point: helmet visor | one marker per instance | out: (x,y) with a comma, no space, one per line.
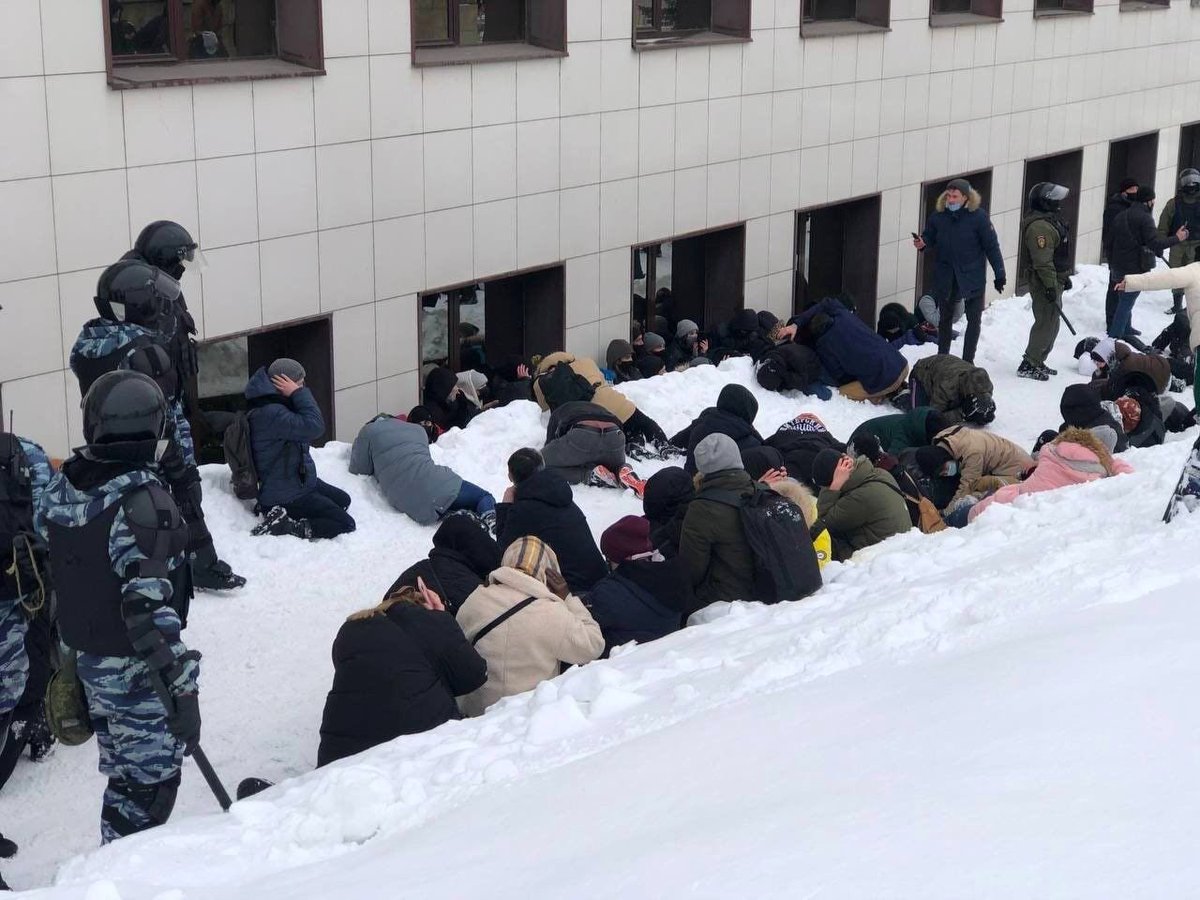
(165,287)
(193,259)
(1056,192)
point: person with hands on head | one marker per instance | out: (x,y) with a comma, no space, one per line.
(859,504)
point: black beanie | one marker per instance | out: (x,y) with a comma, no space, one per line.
(867,444)
(1144,194)
(770,375)
(1126,184)
(931,459)
(823,467)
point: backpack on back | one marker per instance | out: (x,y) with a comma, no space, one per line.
(243,476)
(16,493)
(785,563)
(562,384)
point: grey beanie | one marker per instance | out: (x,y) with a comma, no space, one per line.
(653,342)
(716,453)
(685,327)
(287,367)
(959,184)
(700,361)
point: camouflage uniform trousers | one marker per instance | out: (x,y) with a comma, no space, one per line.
(135,743)
(14,663)
(183,433)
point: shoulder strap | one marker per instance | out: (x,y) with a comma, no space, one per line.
(728,498)
(500,620)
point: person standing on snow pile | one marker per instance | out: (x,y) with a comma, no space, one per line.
(962,234)
(1045,244)
(526,623)
(859,504)
(136,331)
(1185,280)
(1182,211)
(284,421)
(117,550)
(1133,248)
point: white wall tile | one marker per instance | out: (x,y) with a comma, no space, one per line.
(26,140)
(283,114)
(616,21)
(398,176)
(724,70)
(758,63)
(399,257)
(287,201)
(691,134)
(354,347)
(396,336)
(353,407)
(814,169)
(691,199)
(584,20)
(83,239)
(579,150)
(158,126)
(537,230)
(30,332)
(38,408)
(781,242)
(867,98)
(164,192)
(785,121)
(291,287)
(231,290)
(494,162)
(343,184)
(656,139)
(344,24)
(814,116)
(228,192)
(223,119)
(784,191)
(579,213)
(494,93)
(341,115)
(398,394)
(449,247)
(582,290)
(85,124)
(656,79)
(841,109)
(757,240)
(864,173)
(723,193)
(616,274)
(724,129)
(579,80)
(584,340)
(618,144)
(20,40)
(618,76)
(396,99)
(347,258)
(841,161)
(755,123)
(755,186)
(656,206)
(495,230)
(389,27)
(537,156)
(71,36)
(447,97)
(537,89)
(447,169)
(691,74)
(618,214)
(76,291)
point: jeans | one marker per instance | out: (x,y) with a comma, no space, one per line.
(325,509)
(974,310)
(1123,315)
(473,497)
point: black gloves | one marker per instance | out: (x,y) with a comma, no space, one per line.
(1067,284)
(999,284)
(184,722)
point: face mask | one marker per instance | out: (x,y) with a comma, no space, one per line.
(954,207)
(949,470)
(691,339)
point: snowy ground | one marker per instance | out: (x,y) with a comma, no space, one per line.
(996,712)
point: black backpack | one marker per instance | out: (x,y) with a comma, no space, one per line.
(785,563)
(561,384)
(16,494)
(243,477)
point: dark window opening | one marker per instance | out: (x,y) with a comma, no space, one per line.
(930,191)
(1134,5)
(1189,148)
(964,12)
(1065,169)
(822,17)
(490,323)
(227,364)
(1061,7)
(694,21)
(701,277)
(449,31)
(1135,157)
(837,252)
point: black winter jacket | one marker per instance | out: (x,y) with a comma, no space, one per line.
(446,413)
(1130,233)
(733,416)
(1116,205)
(665,502)
(800,448)
(462,556)
(395,673)
(641,601)
(543,507)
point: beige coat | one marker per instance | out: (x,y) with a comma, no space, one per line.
(527,648)
(612,400)
(985,460)
(1186,279)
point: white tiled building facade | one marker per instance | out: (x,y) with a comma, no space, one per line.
(350,193)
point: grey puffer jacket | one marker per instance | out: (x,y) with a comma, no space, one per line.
(397,454)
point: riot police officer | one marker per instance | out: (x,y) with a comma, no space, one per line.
(118,555)
(1182,211)
(138,305)
(1045,246)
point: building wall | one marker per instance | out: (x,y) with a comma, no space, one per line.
(351,193)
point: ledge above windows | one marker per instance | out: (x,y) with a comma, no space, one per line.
(662,24)
(461,32)
(824,18)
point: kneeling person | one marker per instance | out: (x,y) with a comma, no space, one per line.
(859,504)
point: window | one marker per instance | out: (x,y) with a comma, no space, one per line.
(1065,169)
(701,277)
(981,181)
(837,252)
(455,31)
(1061,7)
(153,42)
(964,12)
(671,22)
(825,17)
(1134,5)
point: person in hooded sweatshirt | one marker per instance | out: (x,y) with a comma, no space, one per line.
(665,501)
(859,504)
(644,596)
(526,623)
(397,454)
(792,367)
(284,421)
(462,556)
(397,668)
(445,400)
(619,358)
(1081,407)
(686,346)
(539,503)
(733,416)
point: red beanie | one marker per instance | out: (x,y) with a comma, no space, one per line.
(626,537)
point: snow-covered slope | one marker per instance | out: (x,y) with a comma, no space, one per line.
(999,711)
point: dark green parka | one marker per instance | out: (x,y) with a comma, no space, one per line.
(712,544)
(868,509)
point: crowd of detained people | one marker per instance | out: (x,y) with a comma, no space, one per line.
(516,589)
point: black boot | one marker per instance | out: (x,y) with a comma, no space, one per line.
(216,577)
(1176,303)
(248,787)
(8,849)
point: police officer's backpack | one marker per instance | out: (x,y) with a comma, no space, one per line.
(562,384)
(243,477)
(16,496)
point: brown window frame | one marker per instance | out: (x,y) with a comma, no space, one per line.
(869,16)
(728,22)
(299,52)
(545,36)
(1063,8)
(977,12)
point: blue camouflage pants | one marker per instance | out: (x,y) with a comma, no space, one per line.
(183,433)
(14,664)
(138,753)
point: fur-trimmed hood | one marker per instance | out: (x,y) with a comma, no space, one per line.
(974,201)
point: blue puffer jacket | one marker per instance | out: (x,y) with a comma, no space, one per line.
(964,240)
(281,430)
(849,350)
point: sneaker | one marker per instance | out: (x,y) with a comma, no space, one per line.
(602,476)
(270,519)
(489,521)
(217,577)
(667,450)
(629,478)
(1027,370)
(1133,332)
(288,526)
(1049,371)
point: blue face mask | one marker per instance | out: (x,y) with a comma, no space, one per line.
(954,207)
(949,469)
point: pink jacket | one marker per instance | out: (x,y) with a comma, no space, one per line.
(1058,465)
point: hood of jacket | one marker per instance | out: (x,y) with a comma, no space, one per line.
(974,201)
(665,581)
(617,350)
(799,496)
(667,491)
(439,383)
(736,480)
(545,487)
(463,536)
(738,401)
(260,386)
(522,584)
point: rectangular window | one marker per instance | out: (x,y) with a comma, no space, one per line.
(829,17)
(981,181)
(1065,169)
(1135,5)
(964,12)
(1062,7)
(157,42)
(456,31)
(837,254)
(671,22)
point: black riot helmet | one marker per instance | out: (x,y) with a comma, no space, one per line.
(1047,196)
(125,408)
(1189,182)
(168,246)
(134,291)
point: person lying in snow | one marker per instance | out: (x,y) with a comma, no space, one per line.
(800,440)
(526,623)
(397,668)
(983,461)
(792,367)
(585,445)
(959,390)
(859,504)
(732,416)
(897,432)
(463,555)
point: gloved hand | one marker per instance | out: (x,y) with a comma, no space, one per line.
(999,284)
(184,723)
(1067,284)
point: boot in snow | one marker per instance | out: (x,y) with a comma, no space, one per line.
(277,523)
(489,521)
(248,787)
(629,478)
(217,577)
(602,476)
(1049,371)
(1028,370)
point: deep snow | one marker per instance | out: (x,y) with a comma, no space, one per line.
(965,714)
